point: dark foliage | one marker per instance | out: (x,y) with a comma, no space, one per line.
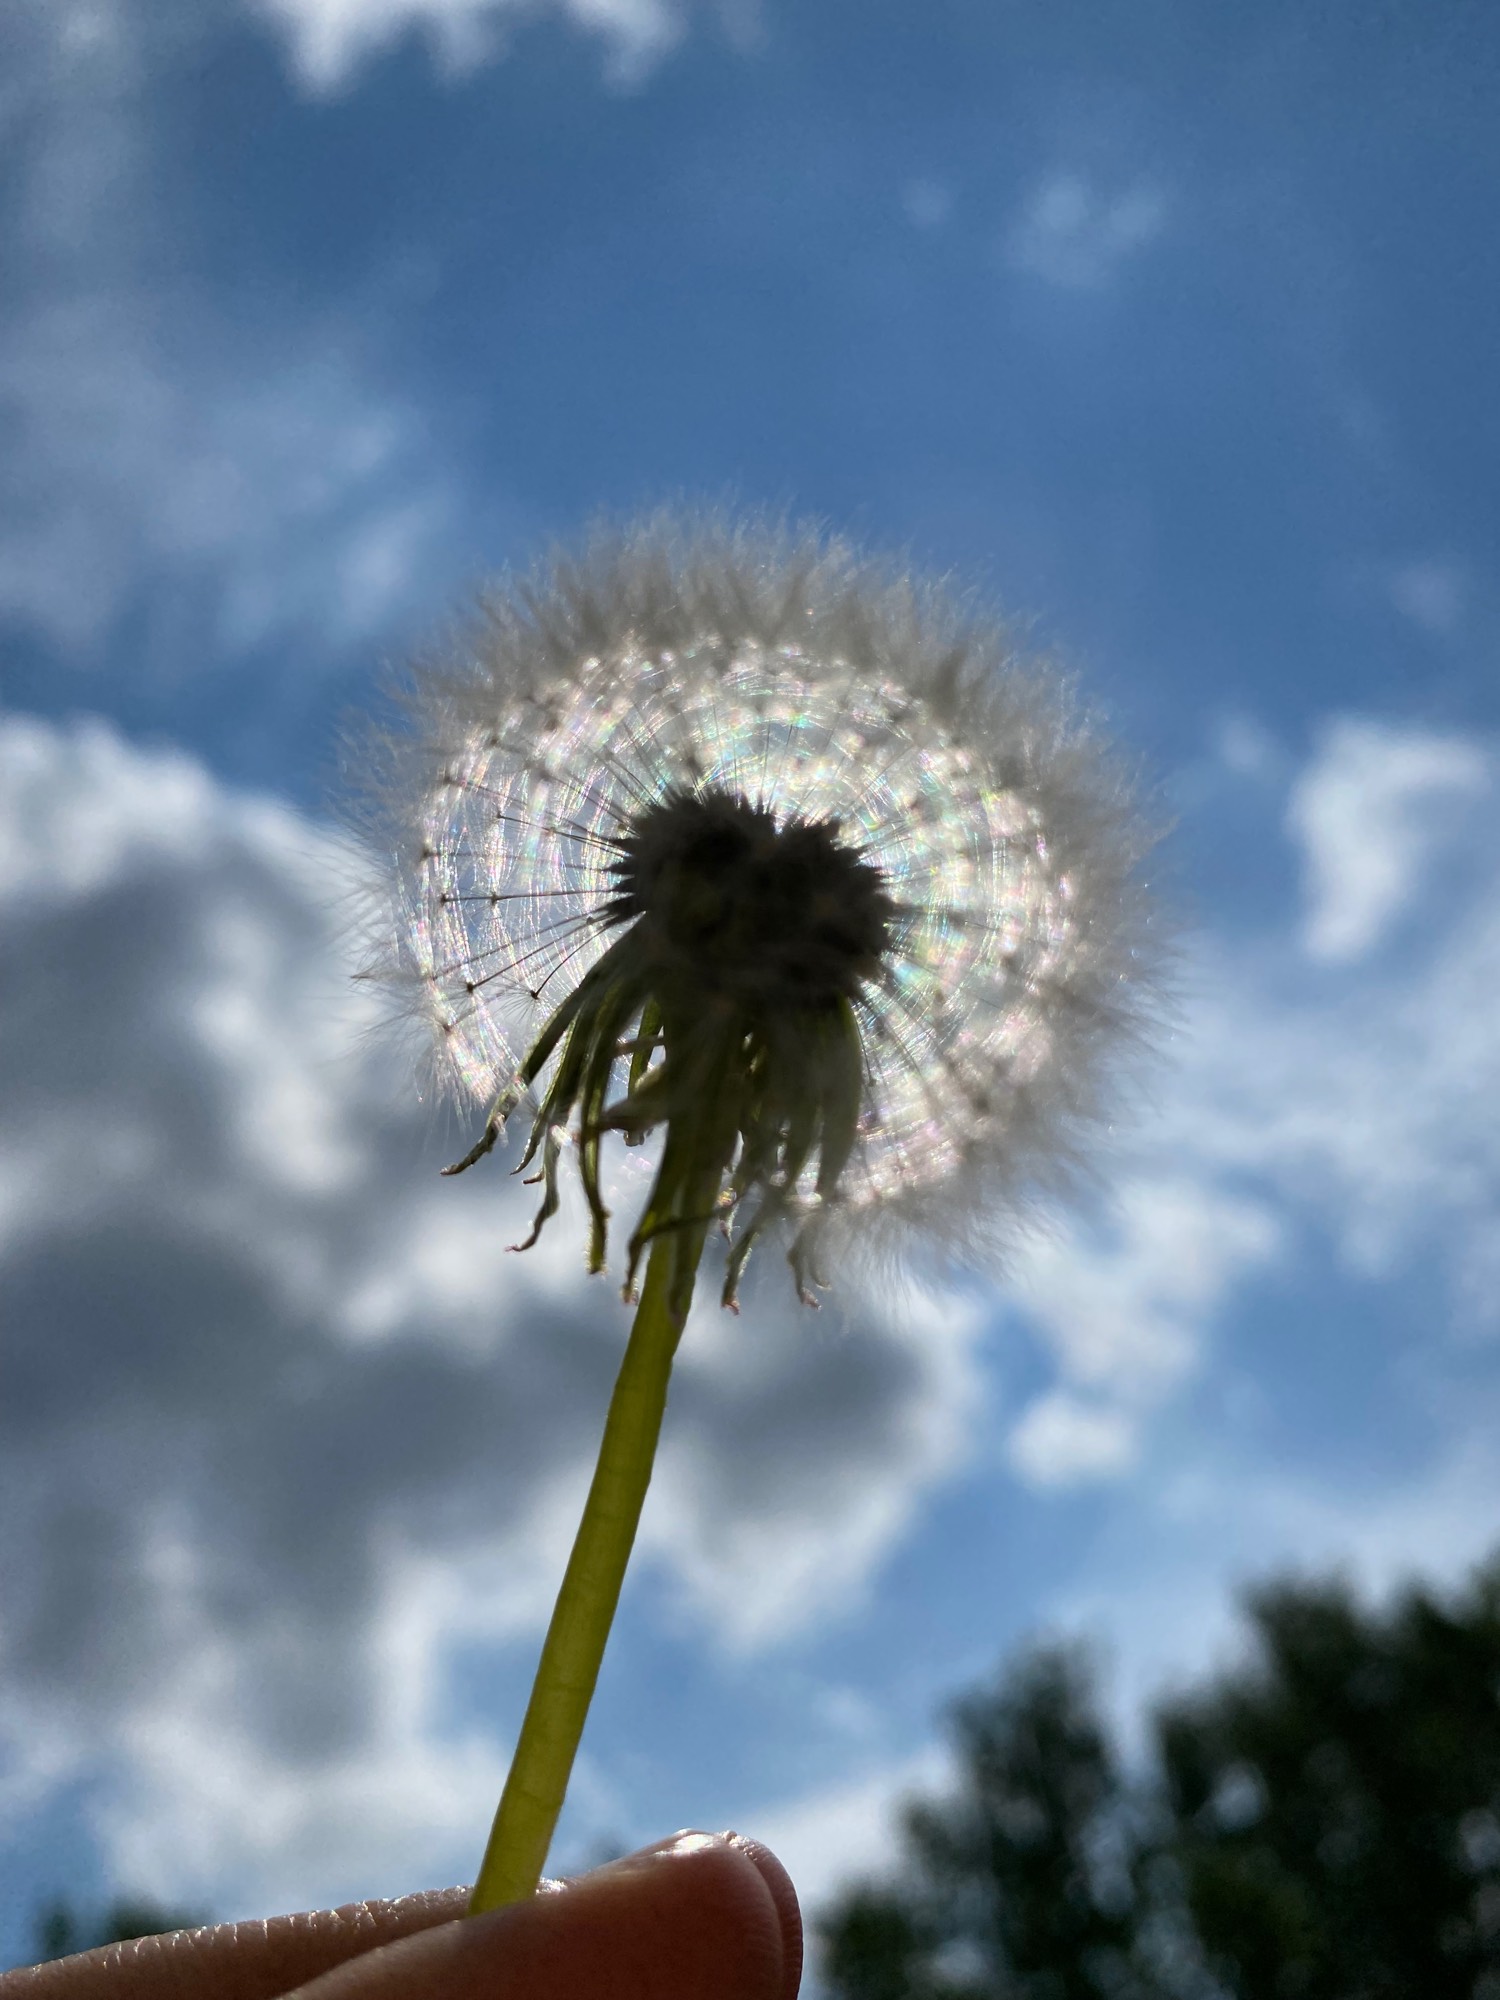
(60,1930)
(1325,1825)
(1025,1883)
(1336,1806)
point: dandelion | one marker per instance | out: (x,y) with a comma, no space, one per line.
(725,834)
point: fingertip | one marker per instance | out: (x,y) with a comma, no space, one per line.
(729,1898)
(699,1917)
(783,1896)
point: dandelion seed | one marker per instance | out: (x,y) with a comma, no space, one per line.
(727,833)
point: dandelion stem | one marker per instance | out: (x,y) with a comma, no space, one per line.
(569,1666)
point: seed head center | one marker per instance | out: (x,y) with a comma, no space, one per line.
(731,901)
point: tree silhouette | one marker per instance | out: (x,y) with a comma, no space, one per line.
(1025,1883)
(60,1931)
(1335,1805)
(1323,1824)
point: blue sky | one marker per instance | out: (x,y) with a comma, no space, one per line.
(1173,329)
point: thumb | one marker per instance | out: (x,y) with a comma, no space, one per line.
(700,1917)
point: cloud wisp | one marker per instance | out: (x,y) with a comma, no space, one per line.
(1072,233)
(226,486)
(1371,816)
(330,41)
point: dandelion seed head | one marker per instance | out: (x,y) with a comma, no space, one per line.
(799,779)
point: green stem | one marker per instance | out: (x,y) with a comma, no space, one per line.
(533,1795)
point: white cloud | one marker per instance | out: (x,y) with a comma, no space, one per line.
(1362,1103)
(1064,1441)
(229,486)
(1124,1307)
(266,498)
(1076,234)
(330,39)
(204,1801)
(285,1426)
(1367,815)
(1360,1106)
(1120,1313)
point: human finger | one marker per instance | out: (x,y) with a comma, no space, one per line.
(251,1961)
(701,1917)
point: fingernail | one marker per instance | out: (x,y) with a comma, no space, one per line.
(690,1840)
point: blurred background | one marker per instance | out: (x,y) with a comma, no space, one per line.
(1173,328)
